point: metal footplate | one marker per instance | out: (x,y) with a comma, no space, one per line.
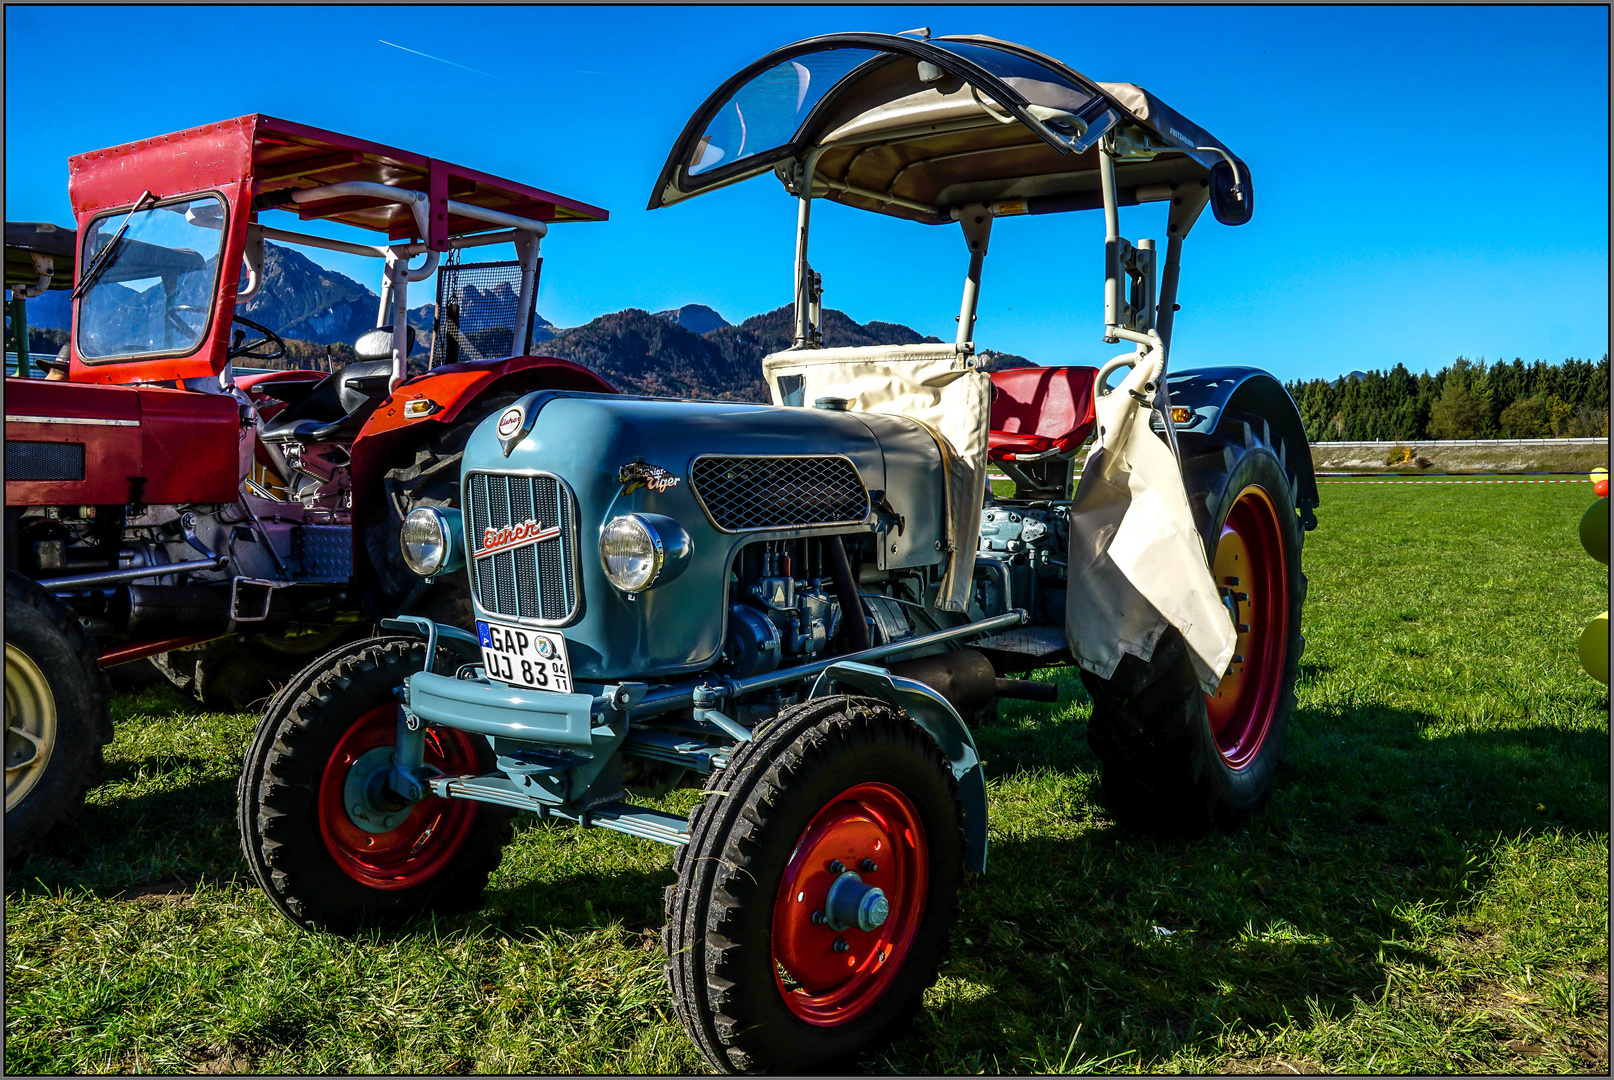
(623,817)
(1034,641)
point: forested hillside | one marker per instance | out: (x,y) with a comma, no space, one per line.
(1467,400)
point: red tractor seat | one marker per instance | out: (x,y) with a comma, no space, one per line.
(1040,410)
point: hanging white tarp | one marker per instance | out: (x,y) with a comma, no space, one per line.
(1137,563)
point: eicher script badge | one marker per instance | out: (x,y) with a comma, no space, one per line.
(639,474)
(510,537)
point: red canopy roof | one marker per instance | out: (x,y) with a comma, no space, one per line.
(278,155)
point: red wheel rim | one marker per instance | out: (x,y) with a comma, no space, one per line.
(1251,566)
(869,821)
(426,841)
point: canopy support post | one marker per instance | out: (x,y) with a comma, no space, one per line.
(977,223)
(1186,204)
(527,253)
(806,325)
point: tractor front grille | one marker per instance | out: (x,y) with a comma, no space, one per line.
(536,580)
(44,460)
(745,493)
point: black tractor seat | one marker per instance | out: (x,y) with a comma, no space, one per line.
(339,404)
(336,408)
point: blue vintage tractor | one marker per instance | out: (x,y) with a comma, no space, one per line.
(804,607)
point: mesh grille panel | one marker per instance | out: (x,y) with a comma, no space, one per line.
(534,581)
(779,492)
(44,460)
(477,305)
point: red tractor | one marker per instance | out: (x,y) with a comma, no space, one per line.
(159,506)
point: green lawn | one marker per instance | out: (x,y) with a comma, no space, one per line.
(1427,892)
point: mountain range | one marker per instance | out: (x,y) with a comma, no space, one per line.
(690,351)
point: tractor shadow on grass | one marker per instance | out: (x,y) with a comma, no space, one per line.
(1155,945)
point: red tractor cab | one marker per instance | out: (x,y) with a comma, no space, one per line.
(227,527)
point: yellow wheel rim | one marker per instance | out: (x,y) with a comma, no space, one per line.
(30,724)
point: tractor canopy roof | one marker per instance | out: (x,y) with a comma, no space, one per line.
(267,158)
(914,128)
(25,239)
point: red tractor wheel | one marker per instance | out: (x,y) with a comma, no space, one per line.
(330,843)
(1175,760)
(1251,567)
(815,898)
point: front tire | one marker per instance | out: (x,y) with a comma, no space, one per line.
(761,977)
(327,858)
(56,715)
(1175,761)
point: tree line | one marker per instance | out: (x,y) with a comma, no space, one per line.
(1466,400)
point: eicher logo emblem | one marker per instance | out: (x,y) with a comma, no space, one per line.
(638,474)
(509,422)
(520,534)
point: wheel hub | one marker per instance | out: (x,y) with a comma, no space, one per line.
(371,803)
(30,724)
(840,935)
(850,902)
(375,837)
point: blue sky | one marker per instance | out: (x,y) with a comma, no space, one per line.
(1430,182)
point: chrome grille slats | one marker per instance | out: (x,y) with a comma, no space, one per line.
(779,492)
(536,581)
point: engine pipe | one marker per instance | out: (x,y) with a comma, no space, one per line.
(673,698)
(853,621)
(118,577)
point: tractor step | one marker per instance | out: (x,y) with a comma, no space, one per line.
(1027,641)
(622,817)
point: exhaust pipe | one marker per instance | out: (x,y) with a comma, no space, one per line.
(964,677)
(968,681)
(194,609)
(1027,690)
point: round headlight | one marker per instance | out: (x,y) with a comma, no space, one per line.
(426,540)
(631,552)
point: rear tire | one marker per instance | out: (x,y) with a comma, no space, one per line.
(758,982)
(1175,762)
(56,715)
(325,868)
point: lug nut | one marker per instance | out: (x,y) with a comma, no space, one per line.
(869,867)
(819,919)
(837,867)
(841,945)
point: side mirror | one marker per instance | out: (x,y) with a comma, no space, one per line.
(1232,197)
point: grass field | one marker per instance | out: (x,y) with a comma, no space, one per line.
(1427,892)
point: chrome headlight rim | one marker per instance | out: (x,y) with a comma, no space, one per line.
(658,552)
(445,529)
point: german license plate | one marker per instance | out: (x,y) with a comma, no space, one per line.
(525,657)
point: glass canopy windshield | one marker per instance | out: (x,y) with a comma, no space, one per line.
(766,112)
(152,291)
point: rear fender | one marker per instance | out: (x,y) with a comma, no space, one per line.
(932,713)
(1248,395)
(388,437)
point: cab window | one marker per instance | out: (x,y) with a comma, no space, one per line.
(152,292)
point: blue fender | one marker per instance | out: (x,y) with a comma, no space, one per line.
(932,713)
(1252,394)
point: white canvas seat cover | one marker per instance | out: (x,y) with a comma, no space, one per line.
(1137,563)
(938,386)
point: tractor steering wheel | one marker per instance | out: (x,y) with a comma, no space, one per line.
(249,349)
